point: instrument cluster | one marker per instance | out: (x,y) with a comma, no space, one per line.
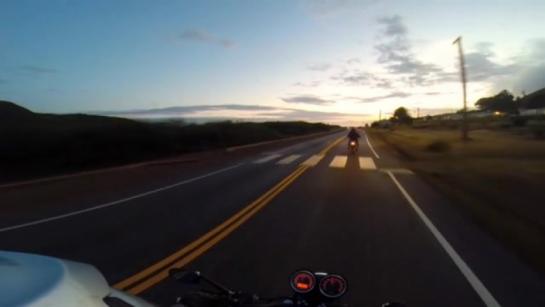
(307,283)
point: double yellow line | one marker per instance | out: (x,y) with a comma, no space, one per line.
(157,272)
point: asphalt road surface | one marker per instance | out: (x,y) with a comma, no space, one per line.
(249,220)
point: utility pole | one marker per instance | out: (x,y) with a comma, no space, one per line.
(379,115)
(458,41)
(417,112)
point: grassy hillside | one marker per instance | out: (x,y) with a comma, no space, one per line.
(35,144)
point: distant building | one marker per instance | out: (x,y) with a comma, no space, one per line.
(530,112)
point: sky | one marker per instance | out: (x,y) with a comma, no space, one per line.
(340,61)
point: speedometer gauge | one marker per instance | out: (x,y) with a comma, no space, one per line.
(303,282)
(333,286)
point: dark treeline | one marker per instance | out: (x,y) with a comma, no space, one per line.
(506,102)
(46,143)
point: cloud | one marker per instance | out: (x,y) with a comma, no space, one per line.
(530,69)
(409,65)
(190,109)
(535,51)
(485,48)
(399,66)
(206,113)
(353,61)
(447,76)
(34,69)
(394,53)
(529,80)
(396,94)
(330,117)
(432,93)
(393,25)
(308,84)
(319,66)
(383,83)
(355,77)
(362,78)
(525,72)
(202,36)
(480,65)
(333,8)
(307,99)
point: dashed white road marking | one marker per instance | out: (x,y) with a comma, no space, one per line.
(313,160)
(288,159)
(367,163)
(371,147)
(473,280)
(338,162)
(267,158)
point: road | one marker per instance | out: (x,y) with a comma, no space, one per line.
(250,220)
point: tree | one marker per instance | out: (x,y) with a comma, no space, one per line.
(534,100)
(402,116)
(504,101)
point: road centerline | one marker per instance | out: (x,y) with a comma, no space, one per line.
(206,245)
(158,271)
(470,276)
(188,249)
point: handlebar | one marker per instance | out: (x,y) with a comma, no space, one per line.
(311,289)
(207,299)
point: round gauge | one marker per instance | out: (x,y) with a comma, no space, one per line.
(333,286)
(303,282)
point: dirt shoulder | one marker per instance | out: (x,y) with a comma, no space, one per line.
(497,179)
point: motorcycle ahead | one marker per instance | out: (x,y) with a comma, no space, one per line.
(352,147)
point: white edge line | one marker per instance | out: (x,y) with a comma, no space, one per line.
(116,202)
(477,285)
(371,146)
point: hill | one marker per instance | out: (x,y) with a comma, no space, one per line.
(11,111)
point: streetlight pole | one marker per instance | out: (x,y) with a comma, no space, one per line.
(458,41)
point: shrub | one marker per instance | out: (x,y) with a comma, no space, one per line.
(537,127)
(518,121)
(438,146)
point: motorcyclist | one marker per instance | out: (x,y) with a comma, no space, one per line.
(353,135)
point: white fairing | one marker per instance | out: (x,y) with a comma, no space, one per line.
(33,280)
